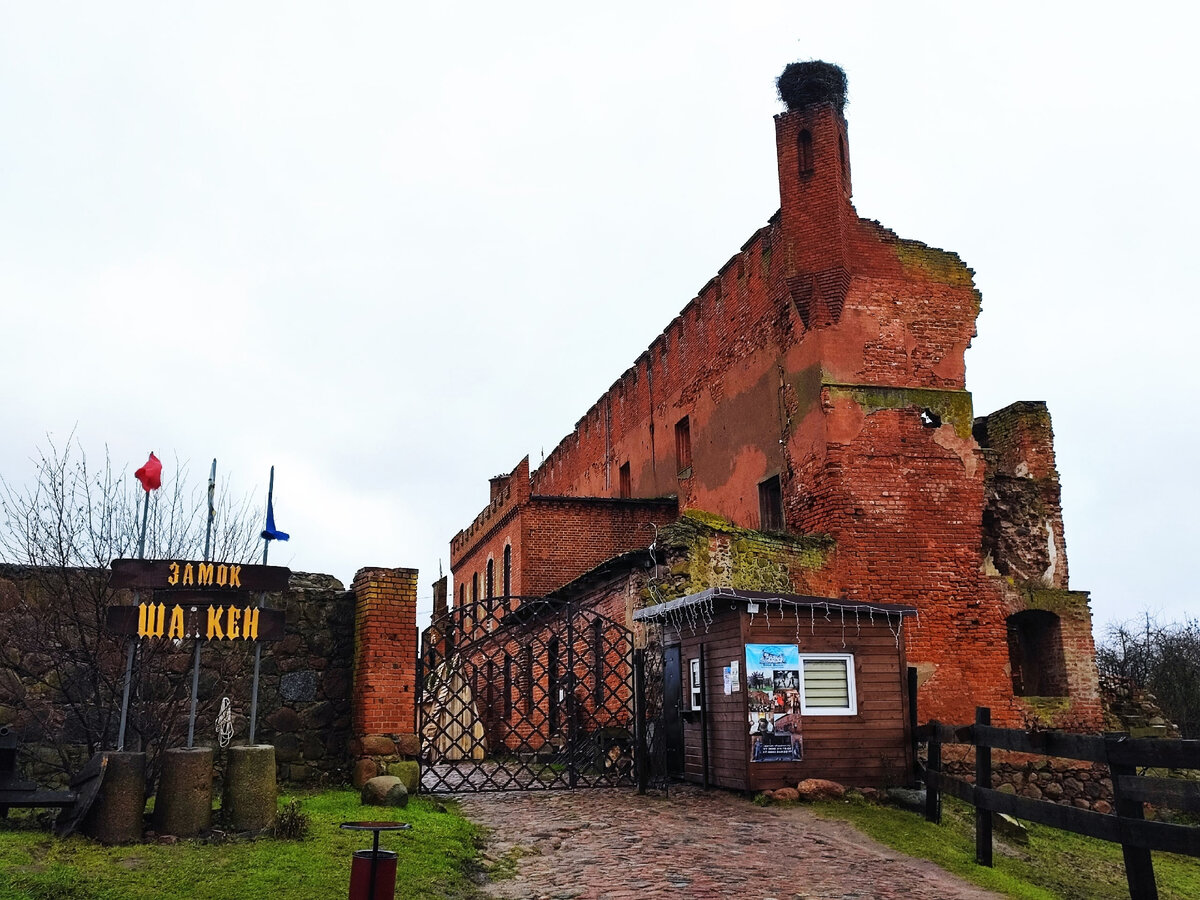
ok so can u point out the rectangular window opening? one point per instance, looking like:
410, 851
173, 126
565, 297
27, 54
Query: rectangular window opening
770, 505
683, 447
625, 484
694, 682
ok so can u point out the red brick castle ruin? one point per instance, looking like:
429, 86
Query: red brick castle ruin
804, 425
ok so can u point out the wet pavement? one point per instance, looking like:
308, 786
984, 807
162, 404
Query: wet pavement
611, 844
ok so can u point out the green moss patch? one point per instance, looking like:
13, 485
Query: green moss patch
933, 264
954, 407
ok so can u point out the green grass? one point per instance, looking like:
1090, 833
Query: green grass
1055, 864
435, 859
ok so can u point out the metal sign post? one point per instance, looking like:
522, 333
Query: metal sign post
262, 601
132, 643
212, 487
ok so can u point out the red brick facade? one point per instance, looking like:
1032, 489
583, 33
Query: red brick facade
552, 538
824, 367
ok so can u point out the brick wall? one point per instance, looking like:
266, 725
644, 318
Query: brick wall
555, 539
829, 353
385, 651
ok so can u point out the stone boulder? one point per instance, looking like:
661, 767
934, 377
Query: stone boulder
785, 795
820, 789
364, 771
907, 798
377, 745
384, 790
409, 773
408, 745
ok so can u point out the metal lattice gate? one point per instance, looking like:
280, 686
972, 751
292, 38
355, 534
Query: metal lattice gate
520, 693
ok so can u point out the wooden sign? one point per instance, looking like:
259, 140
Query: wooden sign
205, 619
182, 574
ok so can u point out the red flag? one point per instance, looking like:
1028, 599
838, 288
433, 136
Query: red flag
150, 475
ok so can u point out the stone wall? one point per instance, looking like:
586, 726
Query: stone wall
306, 681
1070, 782
308, 687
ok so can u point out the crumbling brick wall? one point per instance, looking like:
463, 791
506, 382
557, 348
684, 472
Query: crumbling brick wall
827, 356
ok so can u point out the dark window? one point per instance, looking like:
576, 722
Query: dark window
508, 685
1035, 654
475, 588
529, 680
507, 569
489, 579
625, 485
552, 683
804, 146
491, 689
770, 505
683, 447
462, 596
598, 656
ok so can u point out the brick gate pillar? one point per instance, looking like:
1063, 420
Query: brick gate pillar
385, 670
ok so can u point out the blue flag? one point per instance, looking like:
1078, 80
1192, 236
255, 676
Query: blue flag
271, 533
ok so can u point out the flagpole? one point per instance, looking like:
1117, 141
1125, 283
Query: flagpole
212, 487
262, 601
132, 643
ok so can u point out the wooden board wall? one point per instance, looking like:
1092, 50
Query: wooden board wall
725, 715
871, 748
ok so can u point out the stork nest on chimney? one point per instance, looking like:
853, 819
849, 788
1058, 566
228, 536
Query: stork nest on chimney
805, 83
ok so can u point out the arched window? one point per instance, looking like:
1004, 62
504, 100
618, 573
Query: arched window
489, 579
475, 588
1035, 654
462, 596
804, 148
507, 569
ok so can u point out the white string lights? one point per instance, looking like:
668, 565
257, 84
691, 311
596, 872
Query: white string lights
697, 612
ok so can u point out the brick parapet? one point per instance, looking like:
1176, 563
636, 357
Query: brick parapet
508, 494
385, 655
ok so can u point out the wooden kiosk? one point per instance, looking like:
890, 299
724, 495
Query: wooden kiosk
776, 688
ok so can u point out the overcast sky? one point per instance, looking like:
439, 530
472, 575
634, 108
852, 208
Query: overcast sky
392, 248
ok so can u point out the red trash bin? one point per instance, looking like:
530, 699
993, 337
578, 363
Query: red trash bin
373, 872
385, 875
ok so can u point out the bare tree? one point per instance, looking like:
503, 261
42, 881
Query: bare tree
1159, 659
61, 672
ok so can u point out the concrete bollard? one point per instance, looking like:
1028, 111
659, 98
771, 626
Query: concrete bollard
117, 812
183, 804
249, 799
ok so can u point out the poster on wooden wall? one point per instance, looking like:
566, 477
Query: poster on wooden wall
773, 683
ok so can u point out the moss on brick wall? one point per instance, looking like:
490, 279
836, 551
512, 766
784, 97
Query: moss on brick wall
704, 550
954, 407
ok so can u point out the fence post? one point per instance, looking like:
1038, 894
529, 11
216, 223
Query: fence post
639, 717
420, 701
912, 715
572, 737
933, 776
983, 781
1139, 865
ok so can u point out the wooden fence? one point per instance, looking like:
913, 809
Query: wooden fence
1123, 755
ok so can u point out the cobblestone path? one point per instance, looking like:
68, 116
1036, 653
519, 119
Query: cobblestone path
610, 844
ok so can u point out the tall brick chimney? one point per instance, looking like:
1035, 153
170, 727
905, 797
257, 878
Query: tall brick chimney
813, 150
